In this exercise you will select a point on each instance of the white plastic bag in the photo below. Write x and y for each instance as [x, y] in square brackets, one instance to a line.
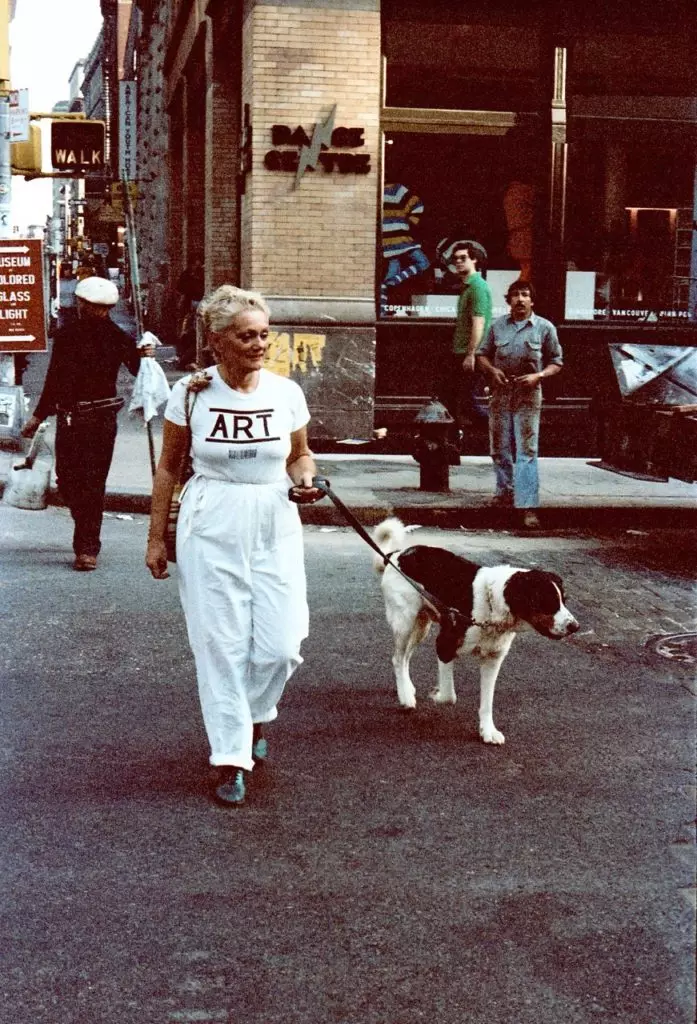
[150, 390]
[29, 481]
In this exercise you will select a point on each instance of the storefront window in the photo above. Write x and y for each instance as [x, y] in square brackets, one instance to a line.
[629, 229]
[441, 188]
[631, 176]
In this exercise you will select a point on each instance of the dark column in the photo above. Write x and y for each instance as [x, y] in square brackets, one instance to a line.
[551, 278]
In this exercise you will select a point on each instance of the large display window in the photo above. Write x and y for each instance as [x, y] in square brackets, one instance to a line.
[631, 176]
[629, 228]
[440, 188]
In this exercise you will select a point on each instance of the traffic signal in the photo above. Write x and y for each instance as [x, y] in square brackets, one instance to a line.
[25, 157]
[77, 145]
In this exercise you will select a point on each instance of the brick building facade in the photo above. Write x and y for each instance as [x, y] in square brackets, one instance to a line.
[219, 85]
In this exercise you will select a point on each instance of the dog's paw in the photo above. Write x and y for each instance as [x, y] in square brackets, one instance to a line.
[490, 734]
[442, 698]
[406, 694]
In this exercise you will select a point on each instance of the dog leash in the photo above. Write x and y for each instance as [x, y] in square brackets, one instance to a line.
[443, 610]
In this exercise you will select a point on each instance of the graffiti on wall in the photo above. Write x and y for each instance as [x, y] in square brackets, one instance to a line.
[293, 352]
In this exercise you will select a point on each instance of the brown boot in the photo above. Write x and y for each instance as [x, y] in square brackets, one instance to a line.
[85, 563]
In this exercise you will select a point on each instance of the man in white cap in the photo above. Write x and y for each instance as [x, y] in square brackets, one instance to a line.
[80, 389]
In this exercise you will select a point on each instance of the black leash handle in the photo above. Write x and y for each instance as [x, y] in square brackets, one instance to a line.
[438, 606]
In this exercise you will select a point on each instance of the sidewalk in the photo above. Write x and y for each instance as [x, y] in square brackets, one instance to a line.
[574, 493]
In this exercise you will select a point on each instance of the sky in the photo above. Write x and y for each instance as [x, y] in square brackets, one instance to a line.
[47, 39]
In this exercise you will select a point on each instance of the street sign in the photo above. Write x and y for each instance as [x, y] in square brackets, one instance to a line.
[19, 115]
[127, 129]
[77, 145]
[22, 317]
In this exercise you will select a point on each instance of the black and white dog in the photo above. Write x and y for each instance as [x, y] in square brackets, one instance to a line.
[491, 605]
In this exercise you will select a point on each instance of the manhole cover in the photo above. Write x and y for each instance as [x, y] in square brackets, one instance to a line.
[676, 646]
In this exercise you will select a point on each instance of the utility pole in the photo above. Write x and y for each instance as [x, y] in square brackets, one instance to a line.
[7, 363]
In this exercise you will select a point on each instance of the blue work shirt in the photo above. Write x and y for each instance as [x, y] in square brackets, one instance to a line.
[521, 346]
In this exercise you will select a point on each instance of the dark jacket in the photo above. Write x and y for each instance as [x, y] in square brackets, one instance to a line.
[85, 363]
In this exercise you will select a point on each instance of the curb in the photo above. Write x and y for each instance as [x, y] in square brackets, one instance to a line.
[558, 519]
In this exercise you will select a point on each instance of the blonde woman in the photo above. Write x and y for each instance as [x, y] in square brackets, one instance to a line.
[239, 538]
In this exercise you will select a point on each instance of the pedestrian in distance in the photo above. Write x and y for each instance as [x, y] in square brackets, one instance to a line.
[472, 322]
[80, 390]
[239, 538]
[190, 288]
[85, 270]
[520, 350]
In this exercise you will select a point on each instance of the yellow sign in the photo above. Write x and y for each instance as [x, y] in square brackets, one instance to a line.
[117, 190]
[111, 213]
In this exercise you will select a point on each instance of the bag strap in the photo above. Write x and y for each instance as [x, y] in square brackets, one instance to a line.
[189, 403]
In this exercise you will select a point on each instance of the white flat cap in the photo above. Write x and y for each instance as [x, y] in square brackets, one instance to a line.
[98, 291]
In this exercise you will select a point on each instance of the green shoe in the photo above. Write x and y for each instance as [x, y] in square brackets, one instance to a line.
[260, 750]
[231, 790]
[260, 747]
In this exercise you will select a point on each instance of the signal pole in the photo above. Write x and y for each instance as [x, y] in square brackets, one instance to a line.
[7, 363]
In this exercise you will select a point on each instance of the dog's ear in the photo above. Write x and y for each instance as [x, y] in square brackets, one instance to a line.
[533, 592]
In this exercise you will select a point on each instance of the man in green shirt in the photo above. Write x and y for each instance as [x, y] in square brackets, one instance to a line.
[473, 319]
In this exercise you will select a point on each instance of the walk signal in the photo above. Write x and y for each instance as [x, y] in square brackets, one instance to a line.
[77, 145]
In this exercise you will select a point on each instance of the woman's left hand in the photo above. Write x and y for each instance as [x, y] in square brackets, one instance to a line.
[303, 492]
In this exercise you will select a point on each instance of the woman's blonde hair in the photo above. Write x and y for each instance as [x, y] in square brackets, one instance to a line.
[217, 310]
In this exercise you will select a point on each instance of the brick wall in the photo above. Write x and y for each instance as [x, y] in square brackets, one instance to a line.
[318, 239]
[152, 155]
[223, 117]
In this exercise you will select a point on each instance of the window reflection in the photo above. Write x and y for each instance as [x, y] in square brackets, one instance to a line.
[629, 234]
[444, 187]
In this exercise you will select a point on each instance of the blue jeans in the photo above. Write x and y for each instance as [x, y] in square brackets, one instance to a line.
[401, 268]
[514, 428]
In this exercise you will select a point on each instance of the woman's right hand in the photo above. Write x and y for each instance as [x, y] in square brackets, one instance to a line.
[156, 559]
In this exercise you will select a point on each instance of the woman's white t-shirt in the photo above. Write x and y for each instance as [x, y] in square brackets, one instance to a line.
[237, 437]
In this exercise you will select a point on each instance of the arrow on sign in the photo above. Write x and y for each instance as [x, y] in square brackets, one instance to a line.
[17, 337]
[14, 248]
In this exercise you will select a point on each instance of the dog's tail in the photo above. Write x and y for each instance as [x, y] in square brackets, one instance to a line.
[390, 535]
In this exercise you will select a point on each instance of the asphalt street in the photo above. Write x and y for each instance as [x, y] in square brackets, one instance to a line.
[389, 868]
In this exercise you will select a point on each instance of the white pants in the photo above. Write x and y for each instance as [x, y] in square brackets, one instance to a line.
[242, 586]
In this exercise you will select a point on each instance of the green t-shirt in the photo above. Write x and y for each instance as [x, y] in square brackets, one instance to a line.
[474, 300]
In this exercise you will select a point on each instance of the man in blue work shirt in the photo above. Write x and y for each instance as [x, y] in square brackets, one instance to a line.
[519, 351]
[472, 323]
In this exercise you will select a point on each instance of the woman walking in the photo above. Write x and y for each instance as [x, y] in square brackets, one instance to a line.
[239, 539]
